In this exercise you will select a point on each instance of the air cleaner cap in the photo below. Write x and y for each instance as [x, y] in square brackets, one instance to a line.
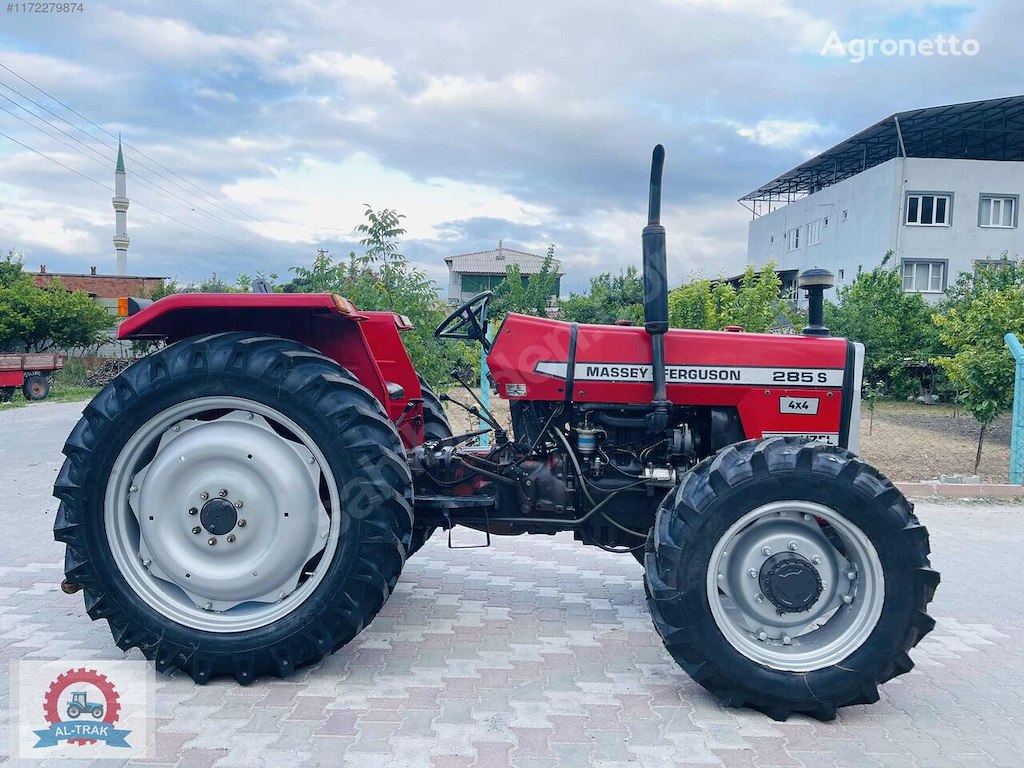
[812, 278]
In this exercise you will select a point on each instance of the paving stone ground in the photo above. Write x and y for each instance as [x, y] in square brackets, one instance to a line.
[535, 652]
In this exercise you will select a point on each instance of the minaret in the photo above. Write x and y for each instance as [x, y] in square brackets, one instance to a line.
[121, 213]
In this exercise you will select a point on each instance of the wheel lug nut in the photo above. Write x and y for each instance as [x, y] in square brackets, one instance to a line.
[793, 546]
[193, 511]
[752, 573]
[766, 551]
[211, 541]
[239, 504]
[231, 538]
[204, 495]
[851, 575]
[762, 636]
[847, 599]
[222, 492]
[241, 522]
[197, 529]
[816, 560]
[208, 607]
[146, 563]
[758, 599]
[787, 640]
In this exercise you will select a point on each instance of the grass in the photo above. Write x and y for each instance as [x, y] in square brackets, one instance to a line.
[59, 393]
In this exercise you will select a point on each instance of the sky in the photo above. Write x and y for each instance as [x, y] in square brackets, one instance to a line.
[255, 134]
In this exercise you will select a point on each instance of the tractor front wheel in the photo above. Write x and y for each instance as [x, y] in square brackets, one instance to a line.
[789, 577]
[234, 504]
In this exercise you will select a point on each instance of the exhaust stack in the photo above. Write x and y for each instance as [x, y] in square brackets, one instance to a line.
[656, 292]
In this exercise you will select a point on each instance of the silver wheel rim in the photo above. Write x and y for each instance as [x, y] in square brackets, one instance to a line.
[840, 619]
[222, 514]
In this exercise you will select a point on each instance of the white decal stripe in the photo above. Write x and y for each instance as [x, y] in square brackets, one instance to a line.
[743, 376]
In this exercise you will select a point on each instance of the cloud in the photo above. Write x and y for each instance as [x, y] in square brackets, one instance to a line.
[782, 134]
[533, 123]
[355, 71]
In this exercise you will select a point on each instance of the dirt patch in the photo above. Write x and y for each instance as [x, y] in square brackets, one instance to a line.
[912, 442]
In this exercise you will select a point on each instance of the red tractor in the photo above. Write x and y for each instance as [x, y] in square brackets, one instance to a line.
[242, 501]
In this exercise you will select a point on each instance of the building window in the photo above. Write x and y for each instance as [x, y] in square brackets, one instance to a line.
[841, 274]
[814, 232]
[924, 276]
[793, 239]
[998, 211]
[928, 210]
[480, 283]
[845, 215]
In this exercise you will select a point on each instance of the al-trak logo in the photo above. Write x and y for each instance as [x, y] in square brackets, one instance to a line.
[81, 707]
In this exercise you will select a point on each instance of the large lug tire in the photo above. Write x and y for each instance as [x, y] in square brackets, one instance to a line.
[789, 577]
[35, 387]
[435, 427]
[207, 434]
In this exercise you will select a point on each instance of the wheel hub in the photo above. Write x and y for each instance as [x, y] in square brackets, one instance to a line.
[218, 516]
[228, 559]
[790, 582]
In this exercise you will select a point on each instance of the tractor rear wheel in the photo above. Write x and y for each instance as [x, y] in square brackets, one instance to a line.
[789, 577]
[36, 387]
[234, 504]
[435, 427]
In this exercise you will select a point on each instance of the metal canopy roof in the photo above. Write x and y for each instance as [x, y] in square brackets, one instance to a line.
[978, 130]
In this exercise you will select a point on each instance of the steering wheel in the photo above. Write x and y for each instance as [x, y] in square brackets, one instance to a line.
[468, 321]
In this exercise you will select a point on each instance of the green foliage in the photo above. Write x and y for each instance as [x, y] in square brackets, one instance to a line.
[215, 284]
[981, 309]
[35, 319]
[893, 326]
[383, 279]
[610, 298]
[756, 306]
[526, 295]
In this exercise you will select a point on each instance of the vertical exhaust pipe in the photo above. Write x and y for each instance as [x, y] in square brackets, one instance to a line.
[656, 292]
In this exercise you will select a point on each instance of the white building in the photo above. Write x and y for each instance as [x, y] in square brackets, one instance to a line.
[939, 187]
[473, 273]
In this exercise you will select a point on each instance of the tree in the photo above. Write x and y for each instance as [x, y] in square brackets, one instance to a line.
[609, 299]
[383, 279]
[756, 307]
[526, 295]
[34, 319]
[894, 326]
[981, 309]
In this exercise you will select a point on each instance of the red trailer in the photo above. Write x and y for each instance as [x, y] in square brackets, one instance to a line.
[31, 372]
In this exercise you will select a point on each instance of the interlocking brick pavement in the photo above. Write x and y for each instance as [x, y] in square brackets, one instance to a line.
[535, 652]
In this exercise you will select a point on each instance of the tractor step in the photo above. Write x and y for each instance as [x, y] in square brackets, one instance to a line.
[445, 505]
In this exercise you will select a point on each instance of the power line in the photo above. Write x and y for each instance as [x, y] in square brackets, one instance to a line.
[58, 162]
[109, 189]
[138, 175]
[214, 197]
